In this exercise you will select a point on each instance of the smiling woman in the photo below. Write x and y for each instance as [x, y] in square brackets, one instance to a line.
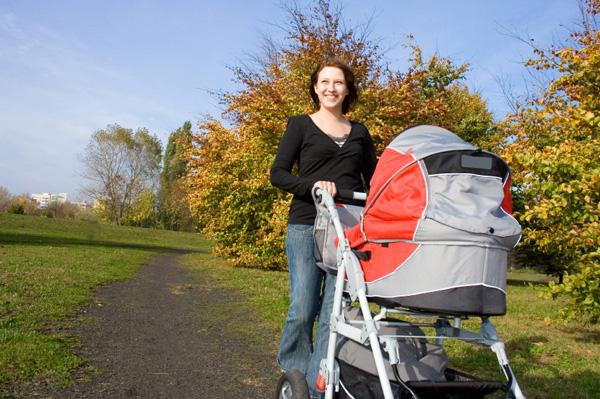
[332, 152]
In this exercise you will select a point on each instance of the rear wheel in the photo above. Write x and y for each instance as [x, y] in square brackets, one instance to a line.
[292, 385]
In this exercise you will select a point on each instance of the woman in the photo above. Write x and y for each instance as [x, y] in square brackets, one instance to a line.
[332, 152]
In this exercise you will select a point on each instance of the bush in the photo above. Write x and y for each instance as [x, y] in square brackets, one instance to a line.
[16, 208]
[65, 210]
[23, 205]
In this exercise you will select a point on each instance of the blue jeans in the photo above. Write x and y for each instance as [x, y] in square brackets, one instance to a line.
[307, 300]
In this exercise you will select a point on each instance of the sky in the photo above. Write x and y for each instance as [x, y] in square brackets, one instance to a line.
[71, 67]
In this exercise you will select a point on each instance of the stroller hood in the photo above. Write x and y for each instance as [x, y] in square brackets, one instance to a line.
[437, 225]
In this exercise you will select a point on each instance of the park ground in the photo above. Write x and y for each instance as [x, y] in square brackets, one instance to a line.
[92, 310]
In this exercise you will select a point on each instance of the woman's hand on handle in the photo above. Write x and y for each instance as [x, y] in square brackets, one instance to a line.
[328, 186]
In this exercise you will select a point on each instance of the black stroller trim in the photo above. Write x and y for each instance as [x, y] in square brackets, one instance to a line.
[469, 301]
[458, 385]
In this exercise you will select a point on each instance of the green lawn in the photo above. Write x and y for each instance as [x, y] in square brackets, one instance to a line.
[48, 268]
[551, 359]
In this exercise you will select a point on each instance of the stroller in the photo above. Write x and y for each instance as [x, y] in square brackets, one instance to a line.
[430, 249]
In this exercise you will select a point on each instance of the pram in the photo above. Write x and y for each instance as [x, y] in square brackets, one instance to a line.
[430, 248]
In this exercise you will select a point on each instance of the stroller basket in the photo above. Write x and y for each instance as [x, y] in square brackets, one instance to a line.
[422, 366]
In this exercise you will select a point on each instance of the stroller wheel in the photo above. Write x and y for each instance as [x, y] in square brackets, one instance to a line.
[292, 385]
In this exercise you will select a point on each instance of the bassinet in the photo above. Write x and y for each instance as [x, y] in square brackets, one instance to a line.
[437, 226]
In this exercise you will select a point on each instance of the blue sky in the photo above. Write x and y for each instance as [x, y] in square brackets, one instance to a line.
[70, 67]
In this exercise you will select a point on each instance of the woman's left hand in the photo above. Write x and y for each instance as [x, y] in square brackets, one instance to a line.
[329, 186]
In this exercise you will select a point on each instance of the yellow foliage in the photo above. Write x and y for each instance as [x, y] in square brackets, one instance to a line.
[553, 146]
[228, 169]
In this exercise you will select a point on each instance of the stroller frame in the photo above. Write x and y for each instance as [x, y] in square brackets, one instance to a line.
[446, 326]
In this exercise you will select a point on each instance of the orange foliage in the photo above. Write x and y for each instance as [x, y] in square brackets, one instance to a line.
[228, 170]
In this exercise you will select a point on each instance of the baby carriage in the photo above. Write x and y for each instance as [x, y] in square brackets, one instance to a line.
[430, 248]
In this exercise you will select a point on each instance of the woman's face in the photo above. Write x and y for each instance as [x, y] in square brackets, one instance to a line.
[331, 88]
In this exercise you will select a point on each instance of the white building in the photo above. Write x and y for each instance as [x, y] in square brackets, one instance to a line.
[82, 205]
[46, 198]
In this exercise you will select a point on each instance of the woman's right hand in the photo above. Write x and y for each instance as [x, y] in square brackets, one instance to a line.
[328, 186]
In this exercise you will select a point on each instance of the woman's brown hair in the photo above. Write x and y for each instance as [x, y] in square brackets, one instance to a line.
[348, 76]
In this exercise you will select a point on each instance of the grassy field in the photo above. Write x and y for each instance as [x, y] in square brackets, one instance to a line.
[48, 268]
[551, 359]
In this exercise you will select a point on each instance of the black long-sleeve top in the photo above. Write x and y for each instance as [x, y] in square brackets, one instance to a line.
[319, 157]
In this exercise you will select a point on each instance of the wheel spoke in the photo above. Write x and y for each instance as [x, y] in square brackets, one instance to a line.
[286, 391]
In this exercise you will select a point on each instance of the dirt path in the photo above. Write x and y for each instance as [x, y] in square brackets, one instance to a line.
[164, 334]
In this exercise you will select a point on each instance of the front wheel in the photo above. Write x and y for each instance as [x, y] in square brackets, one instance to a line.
[292, 385]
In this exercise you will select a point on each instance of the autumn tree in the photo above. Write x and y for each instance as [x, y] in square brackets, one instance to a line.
[174, 211]
[121, 164]
[553, 146]
[228, 171]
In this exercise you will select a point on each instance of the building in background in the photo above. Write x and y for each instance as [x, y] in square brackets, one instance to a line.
[82, 205]
[44, 199]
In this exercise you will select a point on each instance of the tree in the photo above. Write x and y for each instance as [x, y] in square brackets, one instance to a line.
[5, 198]
[121, 164]
[228, 170]
[174, 212]
[553, 144]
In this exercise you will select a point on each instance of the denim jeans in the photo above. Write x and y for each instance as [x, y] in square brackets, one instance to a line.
[306, 302]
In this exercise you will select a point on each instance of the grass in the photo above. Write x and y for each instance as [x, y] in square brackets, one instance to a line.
[48, 268]
[550, 359]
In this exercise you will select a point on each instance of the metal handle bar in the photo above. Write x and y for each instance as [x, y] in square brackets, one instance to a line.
[341, 194]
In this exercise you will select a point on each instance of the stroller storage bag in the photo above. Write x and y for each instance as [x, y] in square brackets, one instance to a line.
[423, 367]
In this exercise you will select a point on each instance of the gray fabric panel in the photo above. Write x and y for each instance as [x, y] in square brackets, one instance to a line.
[471, 203]
[431, 231]
[325, 235]
[495, 272]
[429, 368]
[419, 360]
[425, 140]
[437, 267]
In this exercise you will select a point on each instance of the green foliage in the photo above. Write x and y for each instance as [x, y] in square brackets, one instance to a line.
[174, 211]
[584, 289]
[22, 205]
[16, 208]
[553, 145]
[228, 171]
[174, 162]
[141, 213]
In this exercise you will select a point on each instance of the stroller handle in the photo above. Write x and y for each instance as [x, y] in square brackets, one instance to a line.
[351, 195]
[317, 193]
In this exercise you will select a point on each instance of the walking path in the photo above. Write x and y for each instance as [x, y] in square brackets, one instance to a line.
[165, 334]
